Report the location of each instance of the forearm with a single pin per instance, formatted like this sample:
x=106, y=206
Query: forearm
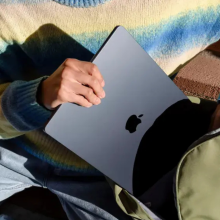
x=19, y=109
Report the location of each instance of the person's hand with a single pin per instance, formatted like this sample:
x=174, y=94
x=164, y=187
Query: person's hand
x=74, y=81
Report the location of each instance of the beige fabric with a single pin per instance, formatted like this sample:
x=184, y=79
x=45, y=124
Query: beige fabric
x=6, y=129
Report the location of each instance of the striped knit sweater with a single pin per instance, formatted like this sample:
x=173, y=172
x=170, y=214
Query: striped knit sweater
x=36, y=36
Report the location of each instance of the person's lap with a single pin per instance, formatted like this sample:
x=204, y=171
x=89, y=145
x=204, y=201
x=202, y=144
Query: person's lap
x=82, y=197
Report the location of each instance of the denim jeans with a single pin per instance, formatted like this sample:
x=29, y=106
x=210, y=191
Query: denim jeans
x=4, y=217
x=82, y=197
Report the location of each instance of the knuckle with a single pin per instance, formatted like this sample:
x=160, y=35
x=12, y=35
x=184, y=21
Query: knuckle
x=89, y=92
x=68, y=61
x=94, y=81
x=65, y=73
x=94, y=68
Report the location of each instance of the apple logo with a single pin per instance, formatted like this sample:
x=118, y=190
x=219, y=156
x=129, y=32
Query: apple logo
x=132, y=123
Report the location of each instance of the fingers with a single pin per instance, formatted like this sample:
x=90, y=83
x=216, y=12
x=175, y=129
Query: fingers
x=85, y=79
x=92, y=82
x=73, y=81
x=80, y=100
x=77, y=99
x=87, y=93
x=78, y=89
x=86, y=67
x=78, y=82
x=93, y=70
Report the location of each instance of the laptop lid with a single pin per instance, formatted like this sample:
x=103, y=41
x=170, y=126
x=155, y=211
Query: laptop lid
x=137, y=92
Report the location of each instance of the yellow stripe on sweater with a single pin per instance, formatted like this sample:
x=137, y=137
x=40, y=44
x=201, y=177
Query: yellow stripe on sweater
x=27, y=18
x=54, y=150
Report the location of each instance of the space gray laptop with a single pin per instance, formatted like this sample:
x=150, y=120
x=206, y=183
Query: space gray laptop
x=137, y=92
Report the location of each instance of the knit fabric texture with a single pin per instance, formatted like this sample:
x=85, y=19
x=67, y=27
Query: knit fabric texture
x=81, y=3
x=201, y=76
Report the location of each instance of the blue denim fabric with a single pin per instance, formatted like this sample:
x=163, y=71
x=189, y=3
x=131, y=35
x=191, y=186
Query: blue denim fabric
x=82, y=198
x=5, y=217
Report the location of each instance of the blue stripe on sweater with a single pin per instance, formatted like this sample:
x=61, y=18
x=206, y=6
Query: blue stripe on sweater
x=168, y=38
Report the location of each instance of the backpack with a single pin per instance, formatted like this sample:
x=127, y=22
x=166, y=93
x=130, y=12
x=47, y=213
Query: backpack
x=191, y=189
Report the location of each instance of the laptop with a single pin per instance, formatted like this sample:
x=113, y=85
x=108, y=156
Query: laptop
x=108, y=136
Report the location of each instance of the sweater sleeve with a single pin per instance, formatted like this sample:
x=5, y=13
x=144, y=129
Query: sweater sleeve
x=19, y=110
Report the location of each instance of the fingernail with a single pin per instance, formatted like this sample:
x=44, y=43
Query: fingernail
x=97, y=101
x=89, y=105
x=102, y=95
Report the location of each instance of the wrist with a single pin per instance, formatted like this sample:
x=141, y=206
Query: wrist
x=40, y=94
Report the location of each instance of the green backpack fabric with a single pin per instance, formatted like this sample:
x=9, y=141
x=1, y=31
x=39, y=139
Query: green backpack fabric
x=198, y=180
x=196, y=183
